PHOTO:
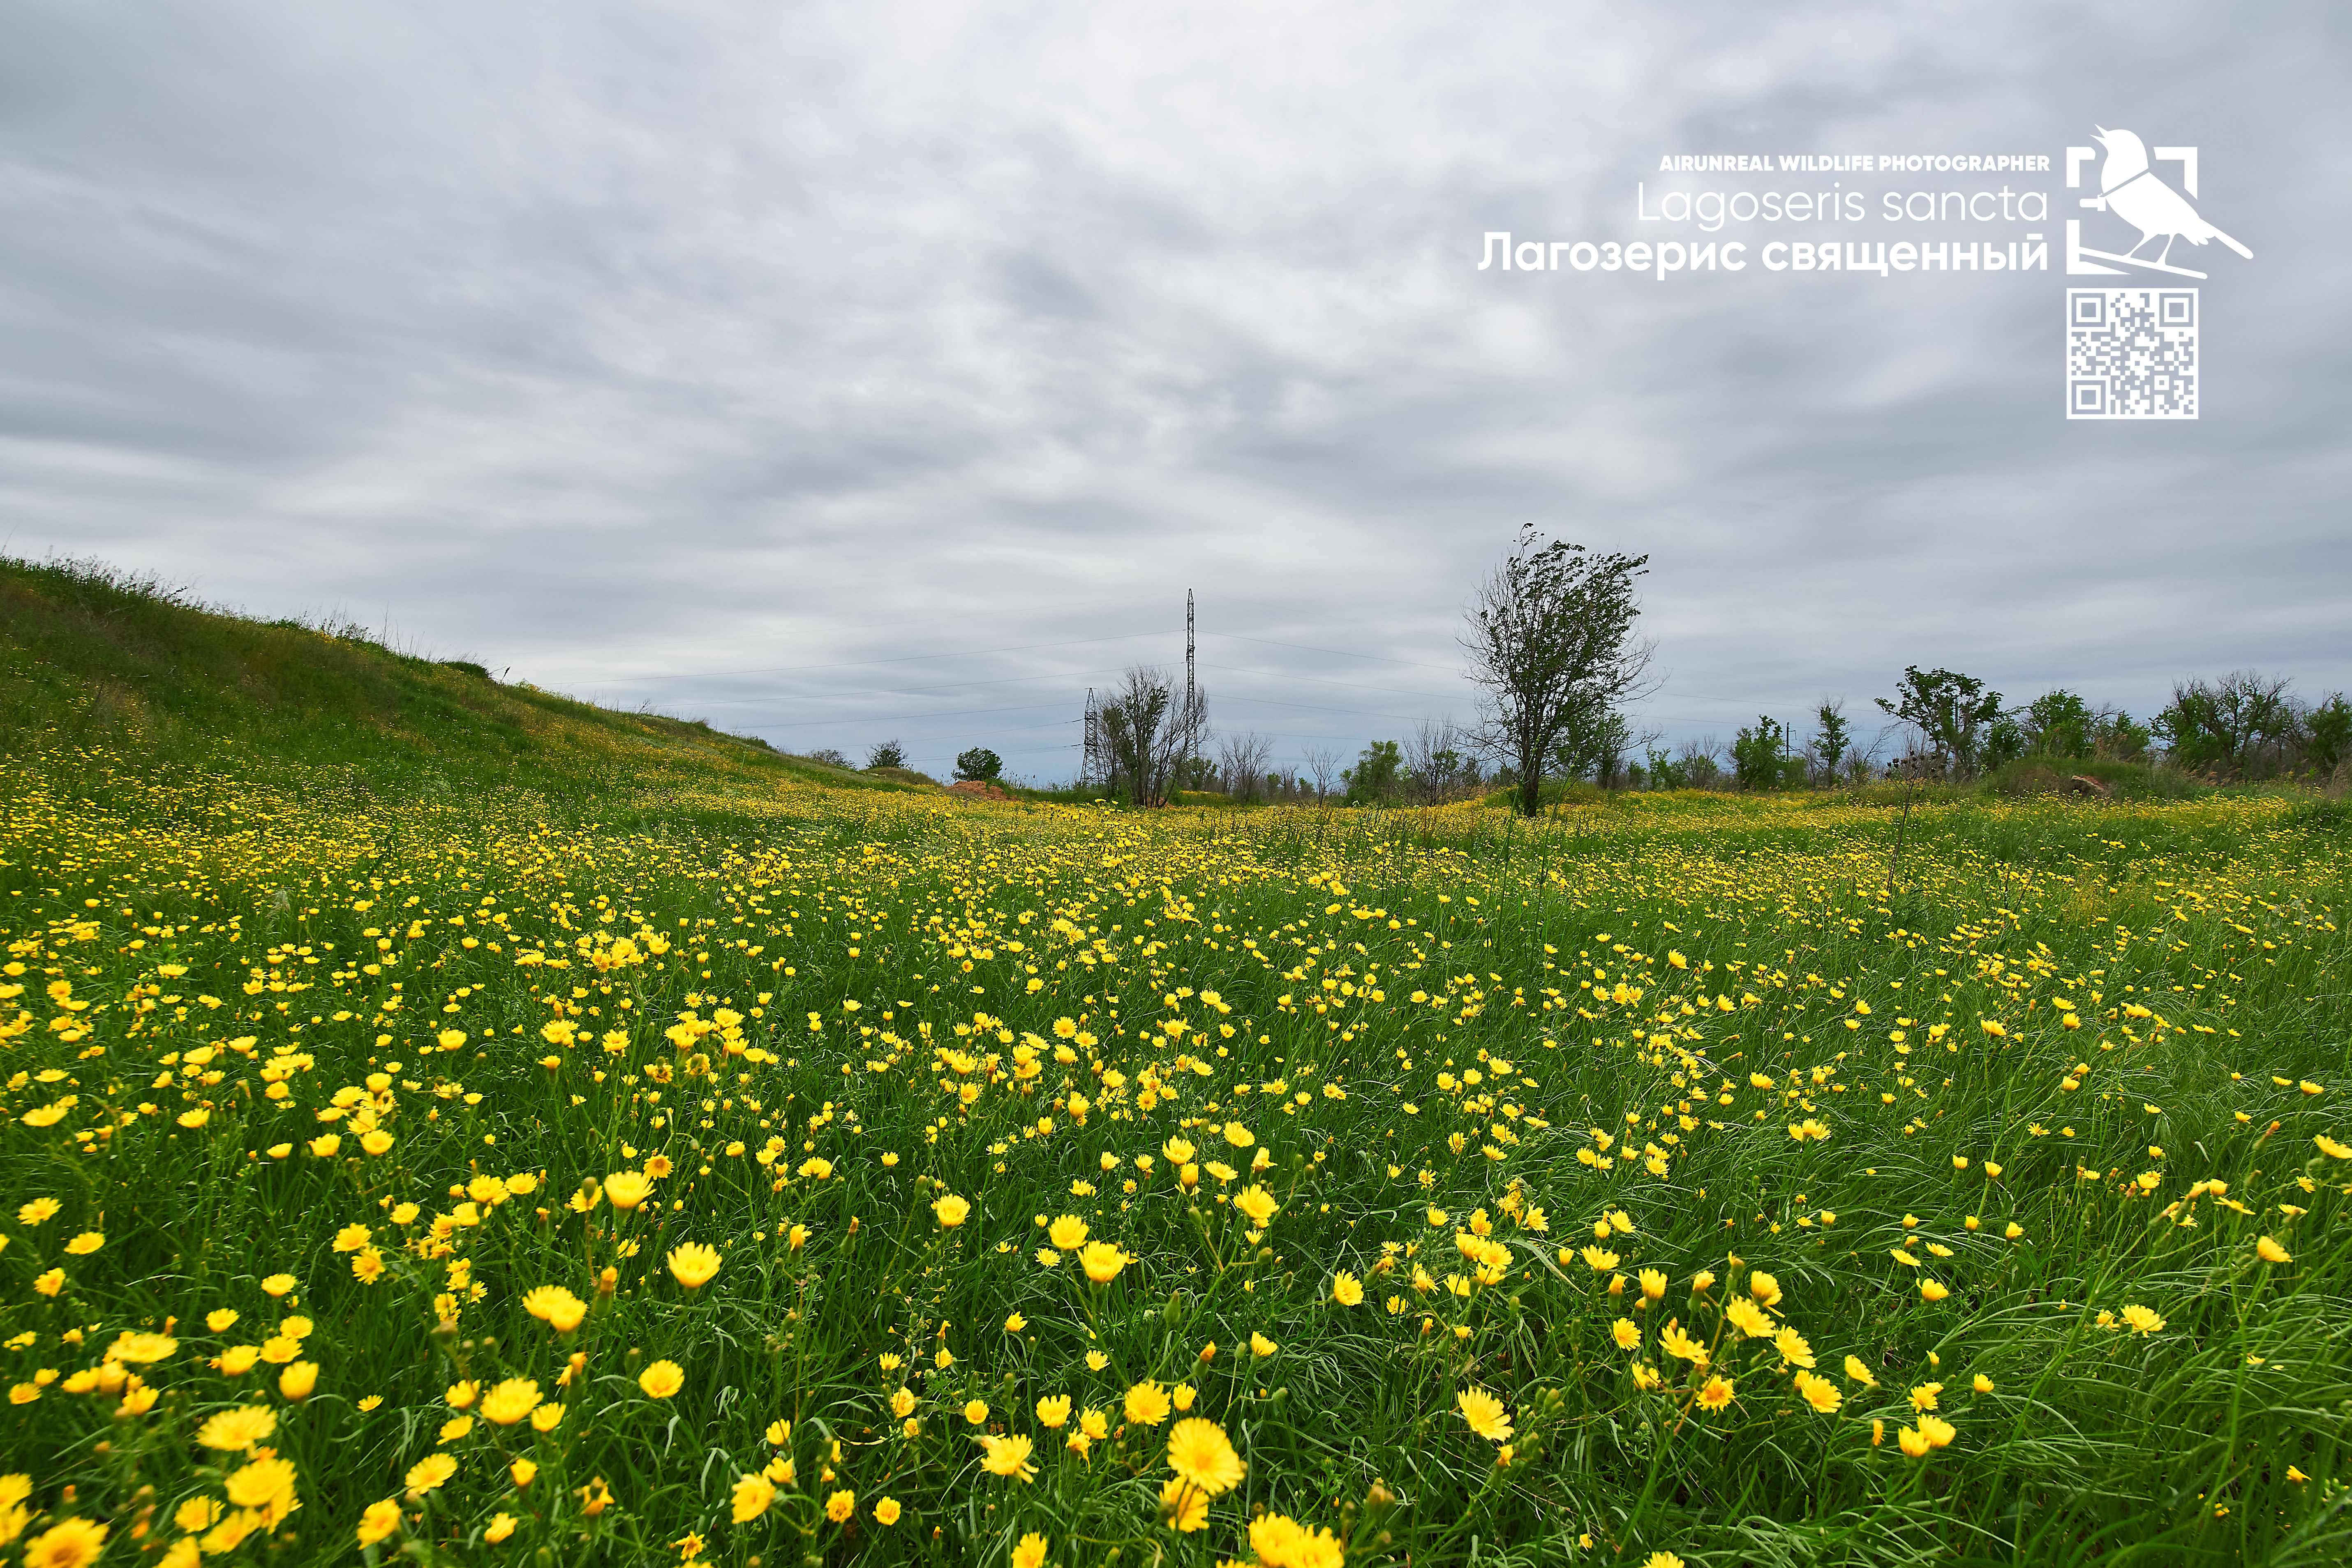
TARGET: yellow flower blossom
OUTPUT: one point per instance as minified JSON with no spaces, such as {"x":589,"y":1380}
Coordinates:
{"x":1484,"y":1412}
{"x":1148,"y":1404}
{"x":510,"y":1400}
{"x":693,"y":1263}
{"x":751,"y":1496}
{"x":1008,"y":1457}
{"x":1200,"y":1452}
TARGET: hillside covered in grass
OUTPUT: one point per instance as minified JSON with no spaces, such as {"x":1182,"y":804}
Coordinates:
{"x":93,"y":657}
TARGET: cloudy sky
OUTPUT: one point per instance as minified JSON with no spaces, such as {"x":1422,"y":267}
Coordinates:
{"x":838,"y":372}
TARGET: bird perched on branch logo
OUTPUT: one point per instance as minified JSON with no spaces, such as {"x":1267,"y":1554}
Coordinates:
{"x":2131,"y":189}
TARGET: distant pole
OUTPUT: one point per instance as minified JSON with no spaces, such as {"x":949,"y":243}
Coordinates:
{"x":1189,"y":725}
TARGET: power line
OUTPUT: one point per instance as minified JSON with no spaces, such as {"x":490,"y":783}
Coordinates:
{"x":908,"y":691}
{"x":1343,"y":653}
{"x":710,"y":701}
{"x":859,"y":663}
{"x":911,"y":718}
{"x":906,"y":717}
{"x":1003,"y":730}
{"x":1311,"y":708}
{"x":1325,"y":680}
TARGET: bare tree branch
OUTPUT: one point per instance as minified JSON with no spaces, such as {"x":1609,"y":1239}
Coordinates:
{"x":1323,"y":767}
{"x":1150,"y":730}
{"x":1240,"y":764}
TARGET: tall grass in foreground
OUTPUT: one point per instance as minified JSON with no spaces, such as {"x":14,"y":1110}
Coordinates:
{"x":818,"y":1176}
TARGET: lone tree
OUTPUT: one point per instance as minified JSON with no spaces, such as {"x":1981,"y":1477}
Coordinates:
{"x":1953,"y":714}
{"x":1374,"y":778}
{"x":1240,"y":764}
{"x":888,"y":755}
{"x":1550,"y":641}
{"x":1759,"y":755}
{"x":1834,"y":739}
{"x":1151,"y":729}
{"x":977,"y":765}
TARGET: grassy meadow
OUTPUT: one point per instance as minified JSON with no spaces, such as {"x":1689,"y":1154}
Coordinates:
{"x":443,"y":1122}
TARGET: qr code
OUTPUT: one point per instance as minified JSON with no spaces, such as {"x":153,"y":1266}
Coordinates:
{"x":2131,"y":353}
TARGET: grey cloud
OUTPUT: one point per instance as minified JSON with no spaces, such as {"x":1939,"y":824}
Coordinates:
{"x":618,"y":345}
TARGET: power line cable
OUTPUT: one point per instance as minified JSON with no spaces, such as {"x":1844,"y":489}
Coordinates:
{"x":1311,"y":708}
{"x":909,"y":718}
{"x":1343,"y":653}
{"x":1325,"y":680}
{"x":859,"y":663}
{"x":908,"y":692}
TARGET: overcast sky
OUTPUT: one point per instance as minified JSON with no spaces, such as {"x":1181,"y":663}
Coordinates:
{"x":842,"y":372}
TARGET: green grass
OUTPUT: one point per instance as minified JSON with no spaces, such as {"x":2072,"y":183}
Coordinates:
{"x":900,"y":986}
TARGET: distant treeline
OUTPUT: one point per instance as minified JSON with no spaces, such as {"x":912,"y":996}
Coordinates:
{"x":1938,"y":726}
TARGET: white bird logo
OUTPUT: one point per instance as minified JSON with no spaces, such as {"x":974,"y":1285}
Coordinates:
{"x":2131,"y":190}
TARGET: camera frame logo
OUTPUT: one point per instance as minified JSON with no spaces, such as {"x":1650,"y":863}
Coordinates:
{"x":2133,"y":353}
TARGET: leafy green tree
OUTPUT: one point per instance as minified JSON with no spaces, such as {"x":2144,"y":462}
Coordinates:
{"x":980,"y":765}
{"x":1612,"y":738}
{"x":1756,"y":753}
{"x":1551,"y":633}
{"x":1832,"y":739}
{"x":2232,"y":726}
{"x":2190,"y":730}
{"x":2115,"y":737}
{"x":2327,"y":737}
{"x":2004,"y":740}
{"x":1374,"y":778}
{"x":1951,"y":712}
{"x":1592,"y":744}
{"x":2058,"y":725}
{"x":888,"y":755}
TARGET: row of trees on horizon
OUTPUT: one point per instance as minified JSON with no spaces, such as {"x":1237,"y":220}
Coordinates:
{"x":1939,"y":726}
{"x":1550,"y":642}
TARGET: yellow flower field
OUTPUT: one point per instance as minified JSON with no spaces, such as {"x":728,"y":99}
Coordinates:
{"x":841,"y":1176}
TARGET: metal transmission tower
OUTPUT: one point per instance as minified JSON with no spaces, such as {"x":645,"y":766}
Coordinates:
{"x":1184,"y":768}
{"x":1096,"y":768}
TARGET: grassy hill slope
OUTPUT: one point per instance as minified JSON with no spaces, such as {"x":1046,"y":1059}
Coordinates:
{"x":91,"y":656}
